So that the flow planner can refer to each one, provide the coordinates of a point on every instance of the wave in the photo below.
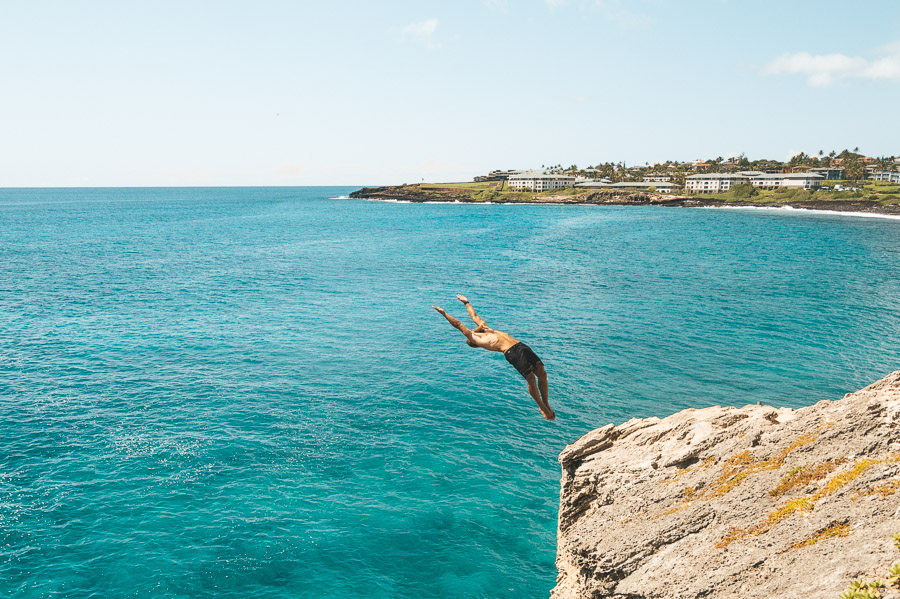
(807, 211)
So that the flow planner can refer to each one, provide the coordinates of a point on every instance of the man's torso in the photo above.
(492, 340)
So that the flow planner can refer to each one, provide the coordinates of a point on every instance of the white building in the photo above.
(538, 181)
(661, 187)
(713, 182)
(889, 176)
(658, 178)
(789, 180)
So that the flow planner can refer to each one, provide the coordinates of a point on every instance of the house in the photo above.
(712, 182)
(789, 180)
(658, 178)
(538, 181)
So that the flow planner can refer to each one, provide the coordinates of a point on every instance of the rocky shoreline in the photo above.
(416, 194)
(735, 502)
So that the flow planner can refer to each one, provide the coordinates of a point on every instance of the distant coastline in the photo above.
(448, 193)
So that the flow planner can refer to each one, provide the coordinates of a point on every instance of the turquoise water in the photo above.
(245, 392)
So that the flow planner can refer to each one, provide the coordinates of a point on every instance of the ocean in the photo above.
(244, 392)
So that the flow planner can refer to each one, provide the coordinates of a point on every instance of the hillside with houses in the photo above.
(847, 181)
(716, 175)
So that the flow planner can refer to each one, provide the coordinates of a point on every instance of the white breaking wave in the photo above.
(806, 211)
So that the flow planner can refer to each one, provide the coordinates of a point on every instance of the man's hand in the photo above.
(440, 310)
(462, 298)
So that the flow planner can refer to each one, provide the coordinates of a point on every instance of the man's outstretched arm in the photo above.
(475, 318)
(456, 324)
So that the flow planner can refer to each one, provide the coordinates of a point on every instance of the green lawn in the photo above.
(468, 186)
(886, 193)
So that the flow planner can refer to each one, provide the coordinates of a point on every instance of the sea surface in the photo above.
(244, 392)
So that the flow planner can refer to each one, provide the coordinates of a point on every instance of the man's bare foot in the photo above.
(462, 298)
(550, 416)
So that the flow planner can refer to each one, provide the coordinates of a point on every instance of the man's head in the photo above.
(471, 343)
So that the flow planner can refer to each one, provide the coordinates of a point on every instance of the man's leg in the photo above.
(542, 384)
(535, 394)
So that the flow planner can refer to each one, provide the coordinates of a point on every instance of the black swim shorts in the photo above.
(521, 356)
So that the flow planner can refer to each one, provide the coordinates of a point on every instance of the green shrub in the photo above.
(743, 191)
(860, 589)
(894, 575)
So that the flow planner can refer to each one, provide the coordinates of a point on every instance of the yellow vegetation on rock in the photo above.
(739, 467)
(803, 504)
(803, 475)
(835, 529)
(884, 490)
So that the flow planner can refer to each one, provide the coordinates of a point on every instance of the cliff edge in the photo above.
(735, 502)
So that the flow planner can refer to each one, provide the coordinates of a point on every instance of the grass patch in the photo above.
(469, 186)
(886, 193)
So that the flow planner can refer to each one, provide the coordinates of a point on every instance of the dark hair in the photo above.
(471, 343)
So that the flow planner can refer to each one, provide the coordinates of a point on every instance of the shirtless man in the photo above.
(517, 353)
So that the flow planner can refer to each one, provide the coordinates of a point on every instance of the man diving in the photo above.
(517, 353)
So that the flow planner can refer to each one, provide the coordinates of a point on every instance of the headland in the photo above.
(490, 192)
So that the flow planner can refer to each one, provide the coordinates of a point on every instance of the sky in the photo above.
(196, 92)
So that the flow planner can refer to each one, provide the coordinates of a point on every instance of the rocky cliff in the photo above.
(735, 502)
(606, 197)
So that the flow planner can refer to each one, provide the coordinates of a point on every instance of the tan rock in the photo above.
(734, 502)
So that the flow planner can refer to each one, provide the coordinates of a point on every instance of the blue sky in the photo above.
(352, 92)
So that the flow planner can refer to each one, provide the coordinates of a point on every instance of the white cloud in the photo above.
(824, 69)
(555, 3)
(422, 31)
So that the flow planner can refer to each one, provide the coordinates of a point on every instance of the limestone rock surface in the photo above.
(735, 502)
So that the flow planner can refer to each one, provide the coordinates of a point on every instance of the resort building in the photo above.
(495, 176)
(830, 173)
(887, 176)
(661, 187)
(658, 178)
(713, 182)
(539, 181)
(789, 180)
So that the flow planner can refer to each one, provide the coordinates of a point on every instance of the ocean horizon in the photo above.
(245, 392)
